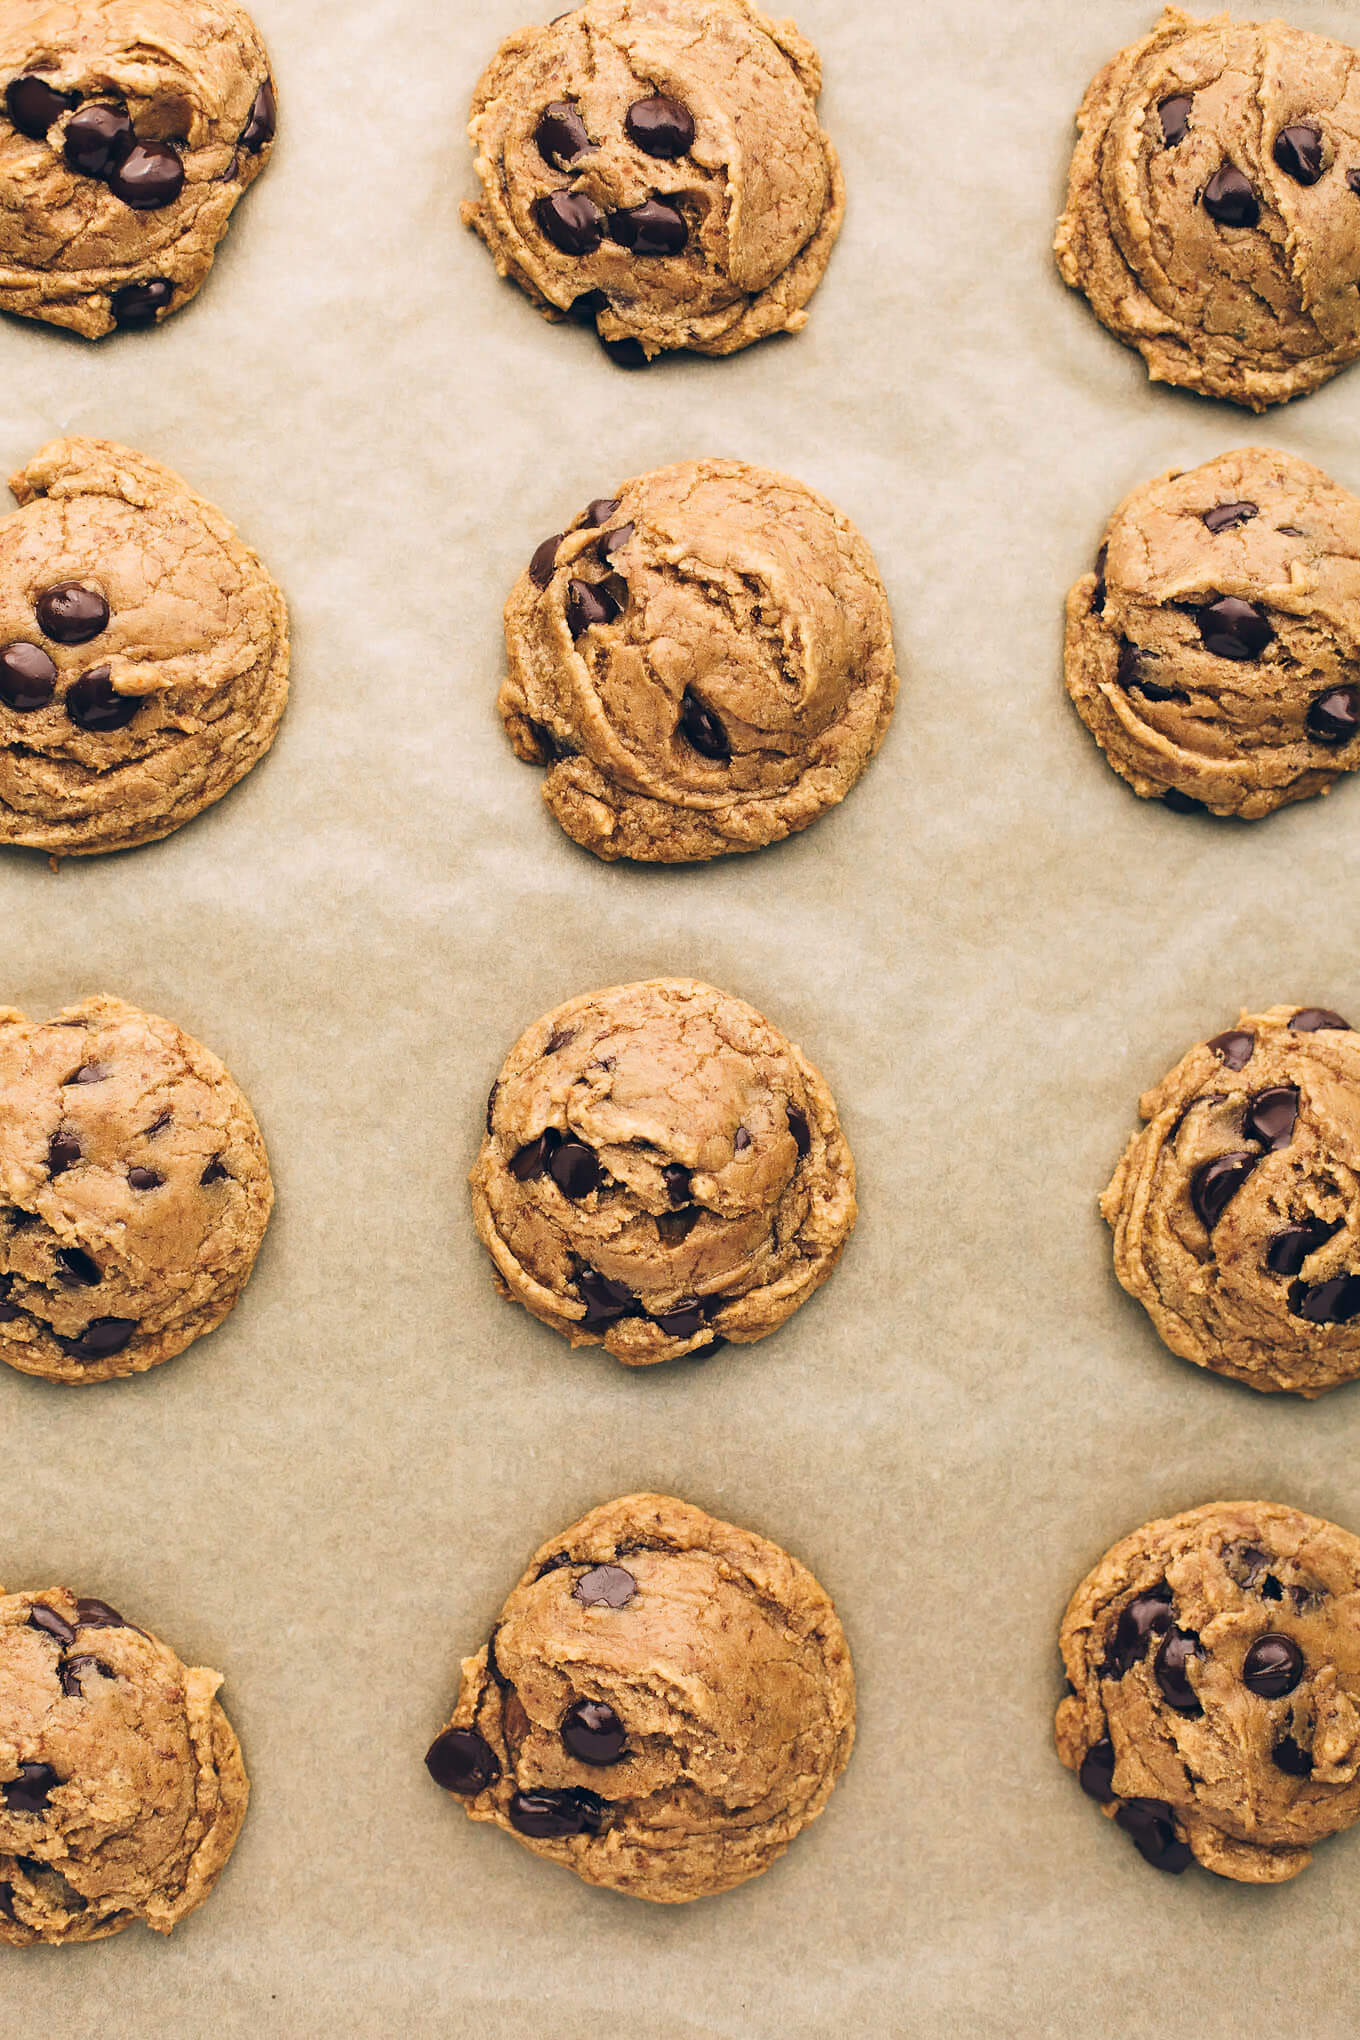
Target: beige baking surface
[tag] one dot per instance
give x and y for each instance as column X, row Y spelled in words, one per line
column 989, row 949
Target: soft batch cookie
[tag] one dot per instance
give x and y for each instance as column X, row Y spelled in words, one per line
column 1236, row 1210
column 1213, row 208
column 122, row 1789
column 662, row 1172
column 134, row 1191
column 1214, row 1666
column 143, row 652
column 658, row 167
column 664, row 1703
column 1213, row 652
column 704, row 663
column 128, row 130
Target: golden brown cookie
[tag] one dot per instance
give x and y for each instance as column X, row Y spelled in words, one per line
column 665, row 1702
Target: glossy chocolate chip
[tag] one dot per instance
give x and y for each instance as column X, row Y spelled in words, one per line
column 544, row 561
column 94, row 703
column 1148, row 1615
column 605, row 1301
column 40, row 1616
column 1225, row 516
column 575, row 1169
column 28, row 1792
column 71, row 614
column 592, row 1733
column 571, row 221
column 545, row 1815
column 798, row 1127
column 1235, row 1048
column 1298, row 151
column 74, row 1669
column 1096, row 1775
column 1174, row 114
column 589, row 604
column 28, row 677
column 660, row 126
column 97, row 139
column 703, row 731
column 150, row 176
column 1229, row 198
column 1272, row 1667
column 76, row 1269
column 611, row 542
column 259, row 130
column 1169, row 1668
column 652, row 228
column 601, row 510
column 682, row 1320
column 91, row 1614
column 144, row 1179
column 1334, row 717
column 677, row 1180
column 100, row 1338
column 532, row 1159
column 1318, row 1020
column 605, row 1586
column 1233, row 629
column 1214, row 1186
column 1098, row 592
column 34, row 106
column 63, row 1151
column 1327, row 1303
column 1150, row 1826
column 1272, row 1115
column 560, row 137
column 461, row 1761
column 135, row 305
column 214, row 1173
column 1288, row 1249
column 1289, row 1757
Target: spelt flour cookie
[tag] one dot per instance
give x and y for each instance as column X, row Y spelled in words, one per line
column 143, row 652
column 134, row 1192
column 1236, row 1210
column 662, row 1172
column 704, row 662
column 657, row 166
column 1213, row 652
column 128, row 130
column 1214, row 1661
column 1213, row 208
column 665, row 1702
column 122, row 1789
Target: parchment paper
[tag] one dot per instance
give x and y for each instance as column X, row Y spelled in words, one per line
column 989, row 949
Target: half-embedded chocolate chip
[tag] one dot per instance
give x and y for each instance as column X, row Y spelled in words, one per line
column 40, row 1616
column 545, row 1815
column 1233, row 629
column 703, row 731
column 1096, row 1775
column 28, row 1792
column 1147, row 1615
column 1169, row 1668
column 35, row 106
column 100, row 1338
column 601, row 510
column 677, row 1180
column 1327, row 1303
column 1353, row 180
column 264, row 119
column 532, row 1159
column 544, row 562
column 1229, row 198
column 71, row 614
column 97, row 139
column 798, row 1127
column 145, row 1179
column 90, row 1073
column 676, row 1226
column 1235, row 1048
column 1224, row 516
column 1289, row 1757
column 1129, row 673
column 1288, row 1249
column 682, row 1320
column 560, row 137
column 606, row 1302
column 592, row 1733
column 1150, row 1826
column 8, row 1311
column 1174, row 114
column 150, row 176
column 605, row 1586
column 660, row 126
column 1181, row 803
column 1298, row 151
column 28, row 677
column 1334, row 717
column 589, row 604
column 135, row 305
column 1214, row 1186
column 74, row 1669
column 462, row 1761
column 63, row 1151
column 1272, row 1115
column 7, row 1903
column 652, row 228
column 1272, row 1667
column 94, row 703
column 492, row 1095
column 611, row 542
column 91, row 1614
column 1317, row 1020
column 575, row 1169
column 558, row 1039
column 1098, row 592
column 77, row 1269
column 214, row 1173
column 571, row 221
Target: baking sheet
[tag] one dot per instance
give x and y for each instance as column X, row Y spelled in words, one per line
column 989, row 949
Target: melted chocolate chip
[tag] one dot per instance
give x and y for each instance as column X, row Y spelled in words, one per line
column 135, row 305
column 1148, row 1615
column 1096, row 1775
column 1289, row 1757
column 1169, row 1668
column 71, row 614
column 28, row 677
column 77, row 1270
column 1233, row 629
column 571, row 221
column 34, row 106
column 1328, row 1303
column 1287, row 1250
column 560, row 137
column 589, row 604
column 545, row 1815
column 97, row 139
column 601, row 510
column 150, row 176
column 605, row 1586
column 1272, row 1667
column 611, row 542
column 1298, row 151
column 1228, row 515
column 703, row 730
column 92, row 1614
column 1317, row 1020
column 100, row 1338
column 575, row 1169
column 94, row 703
column 145, row 1179
column 40, row 1616
column 1098, row 592
column 264, row 119
column 1174, row 114
column 676, row 1179
column 606, row 1302
column 1235, row 1048
column 1229, row 198
column 1150, row 1826
column 1214, row 1186
column 1334, row 717
column 660, row 126
column 798, row 1127
column 73, row 1670
column 592, row 1733
column 63, row 1151
column 544, row 562
column 1272, row 1115
column 652, row 228
column 532, row 1159
column 682, row 1320
column 28, row 1792
column 461, row 1761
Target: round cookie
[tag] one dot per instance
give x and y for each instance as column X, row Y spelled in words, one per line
column 1214, row 1666
column 143, row 652
column 1213, row 651
column 122, row 1789
column 662, row 1172
column 128, row 130
column 657, row 166
column 704, row 662
column 1236, row 1210
column 1213, row 207
column 665, row 1702
column 134, row 1192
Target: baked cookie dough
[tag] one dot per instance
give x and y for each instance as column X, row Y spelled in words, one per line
column 1214, row 1666
column 1213, row 653
column 665, row 1702
column 704, row 662
column 1213, row 208
column 662, row 1172
column 143, row 652
column 1236, row 1210
column 657, row 166
column 128, row 130
column 134, row 1192
column 122, row 1789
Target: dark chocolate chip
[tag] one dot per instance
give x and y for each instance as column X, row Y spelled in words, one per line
column 92, row 1614
column 1129, row 674
column 1233, row 629
column 544, row 561
column 1096, row 1775
column 1298, row 151
column 605, row 1586
column 1328, row 1303
column 158, row 1127
column 1334, row 717
column 28, row 677
column 150, row 176
column 7, row 1903
column 63, row 1151
column 546, row 1815
column 1272, row 1667
column 558, row 1039
column 101, row 1337
column 532, row 1159
column 1214, row 1186
column 798, row 1127
column 1150, row 1826
column 703, row 730
column 682, row 1320
column 605, row 1301
column 74, row 1669
column 1169, row 1668
column 741, row 1140
column 652, row 228
column 1226, row 515
column 515, row 1722
column 8, row 1311
column 1317, row 1020
column 571, row 221
column 554, row 1564
column 660, row 126
column 1181, row 803
column 94, row 703
column 90, row 1073
column 145, row 1179
column 214, row 1173
column 1290, row 1758
column 575, row 1169
column 601, row 510
column 264, row 119
column 1272, row 1115
column 627, row 352
column 1271, row 1590
column 1174, row 114
column 492, row 1095
column 40, row 1616
column 1235, row 1048
column 677, row 1180
column 1148, row 1615
column 77, row 1270
column 676, row 1226
column 135, row 305
column 1287, row 1250
column 589, row 604
column 592, row 1733
column 97, row 139
column 561, row 137
column 1098, row 592
column 71, row 614
column 1229, row 198
column 35, row 106
column 614, row 541
column 1291, row 531
column 461, row 1761
column 28, row 1792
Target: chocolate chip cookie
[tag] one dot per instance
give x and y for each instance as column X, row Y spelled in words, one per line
column 1213, row 651
column 128, row 130
column 143, row 652
column 1213, row 209
column 1214, row 1711
column 704, row 663
column 122, row 1789
column 1236, row 1210
column 662, row 1172
column 665, row 1702
column 657, row 166
column 134, row 1192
